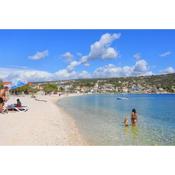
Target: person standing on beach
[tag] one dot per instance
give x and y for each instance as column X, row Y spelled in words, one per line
column 1, row 104
column 4, row 93
column 133, row 117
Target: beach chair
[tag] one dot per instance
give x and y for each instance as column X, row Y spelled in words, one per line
column 12, row 107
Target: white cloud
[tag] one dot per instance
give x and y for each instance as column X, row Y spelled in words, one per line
column 68, row 56
column 168, row 70
column 72, row 65
column 110, row 70
column 65, row 74
column 137, row 56
column 165, row 54
column 140, row 66
column 10, row 74
column 99, row 50
column 39, row 55
column 109, row 53
column 4, row 72
column 84, row 74
column 84, row 59
column 102, row 49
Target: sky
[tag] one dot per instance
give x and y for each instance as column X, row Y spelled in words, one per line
column 46, row 55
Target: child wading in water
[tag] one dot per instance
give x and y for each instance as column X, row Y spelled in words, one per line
column 126, row 122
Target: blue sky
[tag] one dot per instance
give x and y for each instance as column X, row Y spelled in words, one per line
column 39, row 55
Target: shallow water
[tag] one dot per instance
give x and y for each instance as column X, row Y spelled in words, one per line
column 100, row 118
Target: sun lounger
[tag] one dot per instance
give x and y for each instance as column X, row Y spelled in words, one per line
column 19, row 109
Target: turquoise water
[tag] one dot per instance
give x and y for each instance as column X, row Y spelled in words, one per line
column 100, row 118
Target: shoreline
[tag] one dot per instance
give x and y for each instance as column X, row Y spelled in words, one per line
column 143, row 122
column 69, row 117
column 45, row 123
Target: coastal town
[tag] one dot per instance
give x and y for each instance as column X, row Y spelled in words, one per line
column 144, row 84
column 157, row 84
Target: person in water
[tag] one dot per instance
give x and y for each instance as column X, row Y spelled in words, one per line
column 126, row 122
column 133, row 117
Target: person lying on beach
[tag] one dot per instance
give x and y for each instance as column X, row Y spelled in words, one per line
column 12, row 107
column 17, row 107
column 133, row 117
column 126, row 122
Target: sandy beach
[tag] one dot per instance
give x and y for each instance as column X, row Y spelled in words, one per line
column 43, row 124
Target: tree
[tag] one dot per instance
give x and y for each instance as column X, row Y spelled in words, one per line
column 1, row 84
column 26, row 89
column 61, row 89
column 48, row 88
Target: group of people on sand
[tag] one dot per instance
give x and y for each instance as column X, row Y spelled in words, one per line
column 4, row 98
column 134, row 119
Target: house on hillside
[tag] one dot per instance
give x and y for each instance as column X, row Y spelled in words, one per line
column 7, row 83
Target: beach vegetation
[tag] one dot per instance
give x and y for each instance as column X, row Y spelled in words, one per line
column 61, row 89
column 50, row 88
column 27, row 89
column 1, row 84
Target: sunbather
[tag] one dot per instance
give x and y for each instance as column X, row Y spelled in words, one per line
column 18, row 104
column 17, row 107
column 12, row 107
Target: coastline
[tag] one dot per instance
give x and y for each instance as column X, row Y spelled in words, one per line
column 45, row 123
column 75, row 136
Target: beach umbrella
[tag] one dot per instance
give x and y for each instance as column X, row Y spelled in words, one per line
column 17, row 84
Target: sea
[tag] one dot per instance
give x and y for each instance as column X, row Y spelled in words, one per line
column 100, row 117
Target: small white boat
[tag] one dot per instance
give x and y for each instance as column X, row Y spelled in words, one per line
column 122, row 98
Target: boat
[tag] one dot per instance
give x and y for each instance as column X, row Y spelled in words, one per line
column 122, row 98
